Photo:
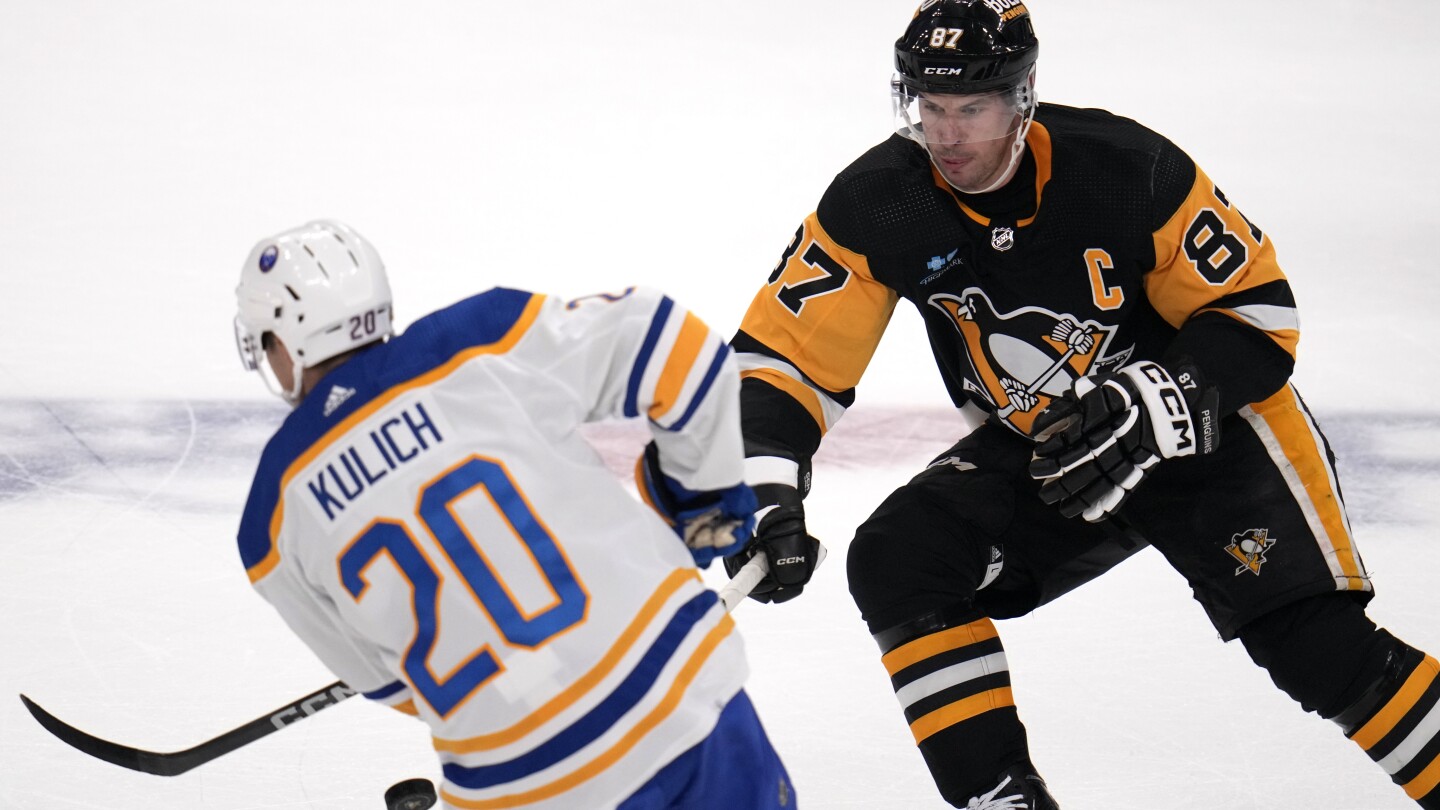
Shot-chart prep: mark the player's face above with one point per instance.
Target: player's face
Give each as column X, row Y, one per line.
column 969, row 137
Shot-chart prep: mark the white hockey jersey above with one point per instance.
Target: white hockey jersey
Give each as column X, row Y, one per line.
column 430, row 522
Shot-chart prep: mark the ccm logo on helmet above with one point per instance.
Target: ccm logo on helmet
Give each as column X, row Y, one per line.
column 944, row 71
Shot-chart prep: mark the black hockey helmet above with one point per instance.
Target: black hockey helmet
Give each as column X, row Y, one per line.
column 966, row 46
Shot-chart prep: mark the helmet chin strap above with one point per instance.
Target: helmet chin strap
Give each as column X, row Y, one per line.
column 292, row 395
column 297, row 382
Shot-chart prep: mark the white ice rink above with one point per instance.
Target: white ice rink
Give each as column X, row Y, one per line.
column 572, row 147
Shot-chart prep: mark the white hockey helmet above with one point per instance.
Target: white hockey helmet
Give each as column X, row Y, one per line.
column 320, row 288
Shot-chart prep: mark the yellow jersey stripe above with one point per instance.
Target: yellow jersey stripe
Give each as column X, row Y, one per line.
column 585, row 683
column 644, row 492
column 798, row 391
column 677, row 366
column 661, row 711
column 1287, row 422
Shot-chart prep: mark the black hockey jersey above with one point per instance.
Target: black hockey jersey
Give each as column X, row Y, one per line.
column 1109, row 246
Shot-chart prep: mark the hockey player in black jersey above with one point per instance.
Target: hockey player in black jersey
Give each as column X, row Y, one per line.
column 1123, row 338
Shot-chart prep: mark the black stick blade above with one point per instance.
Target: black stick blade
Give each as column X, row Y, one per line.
column 173, row 763
column 114, row 753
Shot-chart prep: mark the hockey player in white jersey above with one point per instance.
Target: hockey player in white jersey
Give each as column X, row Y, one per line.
column 430, row 522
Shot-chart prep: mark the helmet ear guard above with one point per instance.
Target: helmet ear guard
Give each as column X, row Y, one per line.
column 320, row 288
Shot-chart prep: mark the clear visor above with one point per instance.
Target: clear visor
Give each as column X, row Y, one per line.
column 942, row 118
column 251, row 347
column 247, row 343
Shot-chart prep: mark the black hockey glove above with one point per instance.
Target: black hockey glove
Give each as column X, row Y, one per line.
column 712, row 523
column 1098, row 441
column 781, row 534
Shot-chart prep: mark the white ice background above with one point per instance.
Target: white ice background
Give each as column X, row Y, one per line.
column 574, row 147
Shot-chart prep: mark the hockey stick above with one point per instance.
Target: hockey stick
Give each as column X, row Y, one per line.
column 750, row 574
column 744, row 581
column 174, row 763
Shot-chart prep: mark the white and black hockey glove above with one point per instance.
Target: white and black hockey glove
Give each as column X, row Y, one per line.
column 1098, row 441
column 712, row 523
column 780, row 533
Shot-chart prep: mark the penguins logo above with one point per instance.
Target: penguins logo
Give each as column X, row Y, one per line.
column 1024, row 359
column 1249, row 548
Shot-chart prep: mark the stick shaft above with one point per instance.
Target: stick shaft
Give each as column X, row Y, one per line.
column 744, row 581
column 173, row 763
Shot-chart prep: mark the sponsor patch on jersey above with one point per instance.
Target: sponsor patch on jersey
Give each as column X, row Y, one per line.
column 940, row 265
column 1249, row 548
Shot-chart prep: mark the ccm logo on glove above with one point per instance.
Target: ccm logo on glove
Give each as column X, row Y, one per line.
column 1163, row 396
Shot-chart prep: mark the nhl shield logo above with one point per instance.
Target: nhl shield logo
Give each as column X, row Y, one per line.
column 1002, row 238
column 1249, row 548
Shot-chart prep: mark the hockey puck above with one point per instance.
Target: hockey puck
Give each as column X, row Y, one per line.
column 411, row 794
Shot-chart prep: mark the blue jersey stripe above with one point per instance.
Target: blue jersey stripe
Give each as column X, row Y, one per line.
column 657, row 325
column 385, row 691
column 704, row 387
column 599, row 719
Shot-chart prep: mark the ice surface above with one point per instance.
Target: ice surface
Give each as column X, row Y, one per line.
column 574, row 147
column 128, row 616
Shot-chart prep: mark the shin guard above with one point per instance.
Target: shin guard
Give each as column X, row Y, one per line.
column 953, row 683
column 1397, row 722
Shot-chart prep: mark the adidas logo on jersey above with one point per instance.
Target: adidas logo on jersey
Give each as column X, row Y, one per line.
column 952, row 461
column 337, row 397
